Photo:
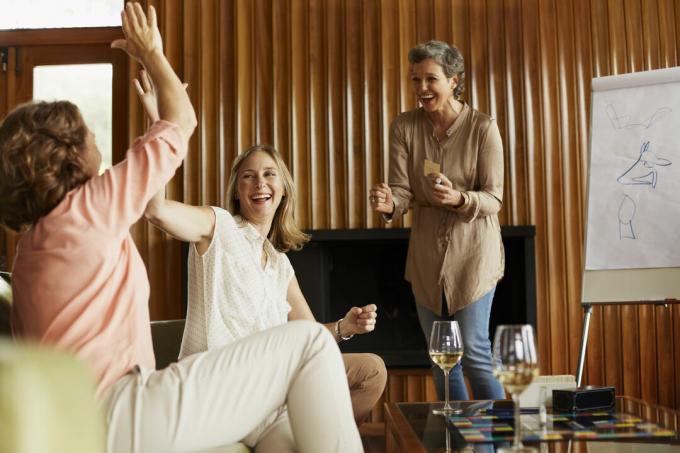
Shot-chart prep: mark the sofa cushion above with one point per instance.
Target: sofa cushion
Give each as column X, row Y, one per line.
column 47, row 402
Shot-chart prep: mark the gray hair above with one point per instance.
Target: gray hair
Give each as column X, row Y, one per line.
column 446, row 56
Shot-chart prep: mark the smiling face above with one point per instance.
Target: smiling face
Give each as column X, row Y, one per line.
column 259, row 188
column 433, row 89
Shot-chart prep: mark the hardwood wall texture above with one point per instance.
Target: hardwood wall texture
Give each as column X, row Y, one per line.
column 322, row 79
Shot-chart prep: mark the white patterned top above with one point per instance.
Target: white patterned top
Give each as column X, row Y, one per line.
column 230, row 295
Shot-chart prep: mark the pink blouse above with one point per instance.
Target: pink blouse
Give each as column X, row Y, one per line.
column 78, row 281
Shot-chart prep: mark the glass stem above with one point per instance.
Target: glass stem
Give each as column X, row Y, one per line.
column 446, row 389
column 518, row 422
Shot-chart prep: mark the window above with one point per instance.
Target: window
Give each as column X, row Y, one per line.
column 60, row 14
column 89, row 86
column 60, row 49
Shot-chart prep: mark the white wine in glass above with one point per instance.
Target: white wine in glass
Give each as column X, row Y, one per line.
column 515, row 366
column 446, row 360
column 517, row 379
column 446, row 350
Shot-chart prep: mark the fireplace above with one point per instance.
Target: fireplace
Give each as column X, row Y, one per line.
column 339, row 269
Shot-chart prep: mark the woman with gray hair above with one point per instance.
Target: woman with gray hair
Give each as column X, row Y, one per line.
column 446, row 161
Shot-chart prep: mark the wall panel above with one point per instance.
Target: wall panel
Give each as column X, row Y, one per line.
column 371, row 104
column 299, row 55
column 225, row 98
column 514, row 133
column 668, row 27
column 323, row 79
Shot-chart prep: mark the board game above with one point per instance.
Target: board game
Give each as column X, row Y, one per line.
column 496, row 426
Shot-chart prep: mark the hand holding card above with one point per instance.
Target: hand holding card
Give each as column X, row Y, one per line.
column 430, row 167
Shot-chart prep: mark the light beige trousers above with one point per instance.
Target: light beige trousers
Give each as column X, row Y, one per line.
column 222, row 396
column 366, row 377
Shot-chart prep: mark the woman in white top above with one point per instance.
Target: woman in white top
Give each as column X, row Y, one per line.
column 240, row 280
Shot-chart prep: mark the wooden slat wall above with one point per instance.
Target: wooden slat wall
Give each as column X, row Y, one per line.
column 322, row 79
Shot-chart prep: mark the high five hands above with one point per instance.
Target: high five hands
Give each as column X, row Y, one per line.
column 147, row 95
column 143, row 43
column 142, row 37
column 359, row 320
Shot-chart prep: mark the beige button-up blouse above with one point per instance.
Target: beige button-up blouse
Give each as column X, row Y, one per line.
column 457, row 250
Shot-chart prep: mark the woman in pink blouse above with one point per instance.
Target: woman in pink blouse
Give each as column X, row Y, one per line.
column 446, row 163
column 79, row 284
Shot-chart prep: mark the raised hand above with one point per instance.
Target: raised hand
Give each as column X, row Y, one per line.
column 143, row 42
column 147, row 94
column 381, row 200
column 359, row 320
column 142, row 37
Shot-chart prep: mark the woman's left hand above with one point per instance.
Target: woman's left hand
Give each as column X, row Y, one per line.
column 147, row 94
column 359, row 320
column 443, row 193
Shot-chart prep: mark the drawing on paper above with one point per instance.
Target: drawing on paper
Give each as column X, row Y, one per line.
column 643, row 171
column 626, row 214
column 634, row 172
column 627, row 121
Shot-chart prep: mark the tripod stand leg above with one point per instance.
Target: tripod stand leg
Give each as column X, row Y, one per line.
column 588, row 309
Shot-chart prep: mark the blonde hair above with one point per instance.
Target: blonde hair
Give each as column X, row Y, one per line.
column 284, row 233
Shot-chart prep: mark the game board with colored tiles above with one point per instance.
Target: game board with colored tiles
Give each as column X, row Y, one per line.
column 582, row 426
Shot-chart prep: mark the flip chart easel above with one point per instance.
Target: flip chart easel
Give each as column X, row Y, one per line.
column 624, row 287
column 632, row 246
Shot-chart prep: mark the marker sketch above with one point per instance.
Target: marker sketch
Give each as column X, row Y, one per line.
column 643, row 171
column 627, row 121
column 627, row 210
column 633, row 213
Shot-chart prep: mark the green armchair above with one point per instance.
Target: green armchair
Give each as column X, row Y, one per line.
column 167, row 339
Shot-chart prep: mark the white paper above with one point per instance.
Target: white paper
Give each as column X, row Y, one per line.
column 634, row 179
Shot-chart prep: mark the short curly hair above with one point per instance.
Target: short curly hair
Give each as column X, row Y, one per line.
column 41, row 159
column 446, row 56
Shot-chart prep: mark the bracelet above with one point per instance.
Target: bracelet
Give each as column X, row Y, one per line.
column 338, row 335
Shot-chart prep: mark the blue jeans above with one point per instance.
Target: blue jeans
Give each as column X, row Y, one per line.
column 473, row 321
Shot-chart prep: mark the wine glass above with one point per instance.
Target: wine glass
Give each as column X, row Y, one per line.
column 515, row 366
column 446, row 350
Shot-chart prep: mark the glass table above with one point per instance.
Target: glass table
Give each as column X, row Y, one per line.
column 412, row 428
